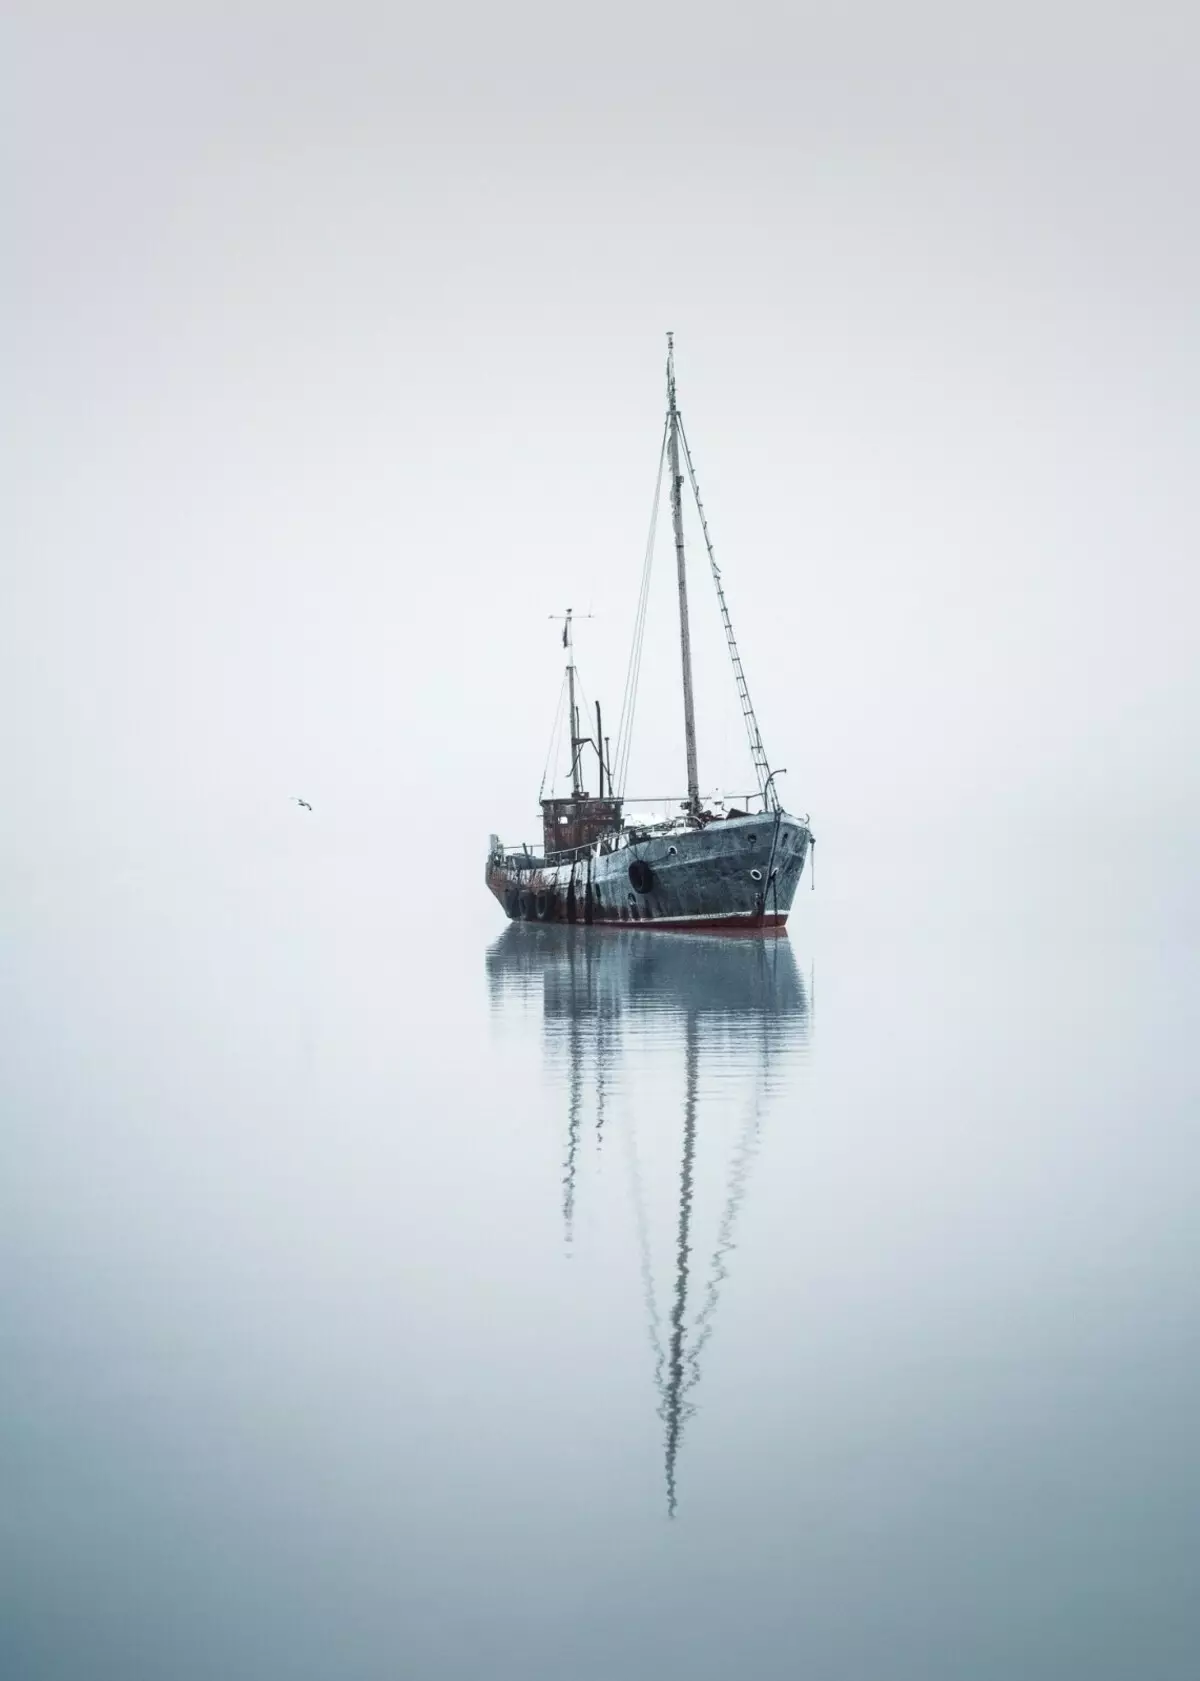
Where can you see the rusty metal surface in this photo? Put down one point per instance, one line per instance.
(568, 824)
(739, 872)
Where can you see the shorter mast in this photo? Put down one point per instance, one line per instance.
(568, 643)
(685, 638)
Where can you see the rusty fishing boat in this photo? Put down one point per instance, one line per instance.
(729, 863)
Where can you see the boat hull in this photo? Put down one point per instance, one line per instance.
(732, 875)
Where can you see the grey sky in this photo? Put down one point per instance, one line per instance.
(334, 365)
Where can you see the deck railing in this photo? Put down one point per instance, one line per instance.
(523, 856)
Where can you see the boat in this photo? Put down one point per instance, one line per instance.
(729, 863)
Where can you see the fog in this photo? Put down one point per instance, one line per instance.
(334, 345)
(334, 359)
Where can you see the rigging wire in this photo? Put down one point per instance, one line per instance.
(739, 1173)
(577, 751)
(649, 1292)
(554, 734)
(633, 672)
(758, 754)
(744, 1157)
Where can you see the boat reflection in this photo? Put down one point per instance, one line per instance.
(737, 1008)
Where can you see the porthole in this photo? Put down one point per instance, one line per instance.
(751, 840)
(672, 852)
(755, 875)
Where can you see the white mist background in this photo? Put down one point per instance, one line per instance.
(332, 366)
(334, 351)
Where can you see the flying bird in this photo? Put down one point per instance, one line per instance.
(304, 803)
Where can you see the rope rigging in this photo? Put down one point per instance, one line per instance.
(629, 700)
(583, 740)
(674, 435)
(758, 756)
(762, 769)
(552, 750)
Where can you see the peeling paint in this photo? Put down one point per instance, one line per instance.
(733, 873)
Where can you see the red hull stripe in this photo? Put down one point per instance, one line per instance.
(703, 925)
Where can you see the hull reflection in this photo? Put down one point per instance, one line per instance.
(580, 971)
(733, 1009)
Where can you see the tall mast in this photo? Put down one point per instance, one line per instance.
(685, 637)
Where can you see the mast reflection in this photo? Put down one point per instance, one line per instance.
(742, 1001)
(671, 1411)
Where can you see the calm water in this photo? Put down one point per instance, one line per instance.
(381, 1299)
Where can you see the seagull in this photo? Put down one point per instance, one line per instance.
(304, 803)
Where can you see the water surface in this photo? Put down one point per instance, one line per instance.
(425, 1299)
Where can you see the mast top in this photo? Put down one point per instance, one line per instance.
(671, 373)
(567, 620)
